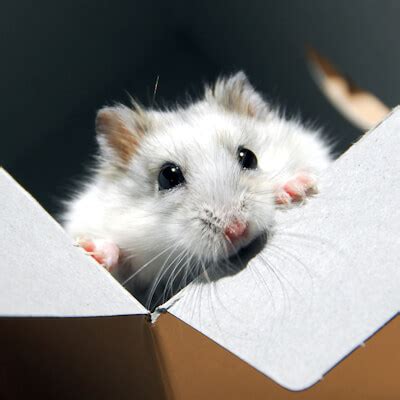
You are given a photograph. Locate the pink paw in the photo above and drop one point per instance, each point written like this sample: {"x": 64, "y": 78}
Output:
{"x": 296, "y": 189}
{"x": 106, "y": 253}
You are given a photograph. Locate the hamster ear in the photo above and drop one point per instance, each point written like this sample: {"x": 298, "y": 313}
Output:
{"x": 236, "y": 94}
{"x": 119, "y": 131}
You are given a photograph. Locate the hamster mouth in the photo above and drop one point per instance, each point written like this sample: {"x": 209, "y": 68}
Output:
{"x": 214, "y": 271}
{"x": 238, "y": 260}
{"x": 250, "y": 250}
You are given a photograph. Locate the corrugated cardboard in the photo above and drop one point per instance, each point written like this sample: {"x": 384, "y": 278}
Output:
{"x": 325, "y": 283}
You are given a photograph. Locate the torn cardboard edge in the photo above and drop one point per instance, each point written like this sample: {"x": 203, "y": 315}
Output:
{"x": 95, "y": 293}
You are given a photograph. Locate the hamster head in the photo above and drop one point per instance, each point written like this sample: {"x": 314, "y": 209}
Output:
{"x": 184, "y": 190}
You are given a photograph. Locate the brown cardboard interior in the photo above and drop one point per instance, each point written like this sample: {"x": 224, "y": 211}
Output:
{"x": 197, "y": 368}
{"x": 120, "y": 357}
{"x": 78, "y": 358}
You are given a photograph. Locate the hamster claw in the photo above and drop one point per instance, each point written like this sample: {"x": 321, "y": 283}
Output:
{"x": 106, "y": 253}
{"x": 296, "y": 190}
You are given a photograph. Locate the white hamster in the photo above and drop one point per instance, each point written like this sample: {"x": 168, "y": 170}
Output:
{"x": 180, "y": 191}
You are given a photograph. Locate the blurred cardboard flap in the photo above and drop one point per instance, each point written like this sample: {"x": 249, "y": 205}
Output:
{"x": 361, "y": 108}
{"x": 294, "y": 336}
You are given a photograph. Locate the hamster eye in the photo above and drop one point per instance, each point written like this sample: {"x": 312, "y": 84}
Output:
{"x": 247, "y": 159}
{"x": 170, "y": 175}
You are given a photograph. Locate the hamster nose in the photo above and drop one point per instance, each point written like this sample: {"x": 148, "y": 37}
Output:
{"x": 235, "y": 230}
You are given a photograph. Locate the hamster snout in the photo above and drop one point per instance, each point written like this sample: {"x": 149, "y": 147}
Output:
{"x": 236, "y": 230}
{"x": 232, "y": 229}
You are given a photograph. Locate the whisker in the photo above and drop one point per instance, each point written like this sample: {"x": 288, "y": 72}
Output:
{"x": 145, "y": 265}
{"x": 162, "y": 272}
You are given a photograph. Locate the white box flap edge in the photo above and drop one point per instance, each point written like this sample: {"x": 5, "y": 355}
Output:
{"x": 42, "y": 273}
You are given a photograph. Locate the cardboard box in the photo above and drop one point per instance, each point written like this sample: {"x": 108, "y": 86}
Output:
{"x": 311, "y": 317}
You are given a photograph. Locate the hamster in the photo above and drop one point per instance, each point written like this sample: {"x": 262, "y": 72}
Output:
{"x": 178, "y": 192}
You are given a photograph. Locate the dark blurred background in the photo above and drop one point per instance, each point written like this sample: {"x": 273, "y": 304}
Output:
{"x": 61, "y": 61}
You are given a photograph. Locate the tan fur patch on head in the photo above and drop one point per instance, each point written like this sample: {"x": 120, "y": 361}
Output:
{"x": 236, "y": 94}
{"x": 120, "y": 129}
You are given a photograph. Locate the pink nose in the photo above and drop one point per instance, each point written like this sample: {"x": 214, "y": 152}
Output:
{"x": 235, "y": 230}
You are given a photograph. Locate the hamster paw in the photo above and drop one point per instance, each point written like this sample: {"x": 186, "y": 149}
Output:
{"x": 296, "y": 190}
{"x": 106, "y": 253}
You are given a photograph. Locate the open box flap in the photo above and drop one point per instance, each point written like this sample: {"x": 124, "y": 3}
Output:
{"x": 326, "y": 281}
{"x": 42, "y": 273}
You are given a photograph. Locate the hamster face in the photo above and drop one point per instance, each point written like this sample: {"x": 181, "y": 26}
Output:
{"x": 182, "y": 191}
{"x": 203, "y": 199}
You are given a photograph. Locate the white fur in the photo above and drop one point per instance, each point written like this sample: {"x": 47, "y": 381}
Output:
{"x": 127, "y": 207}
